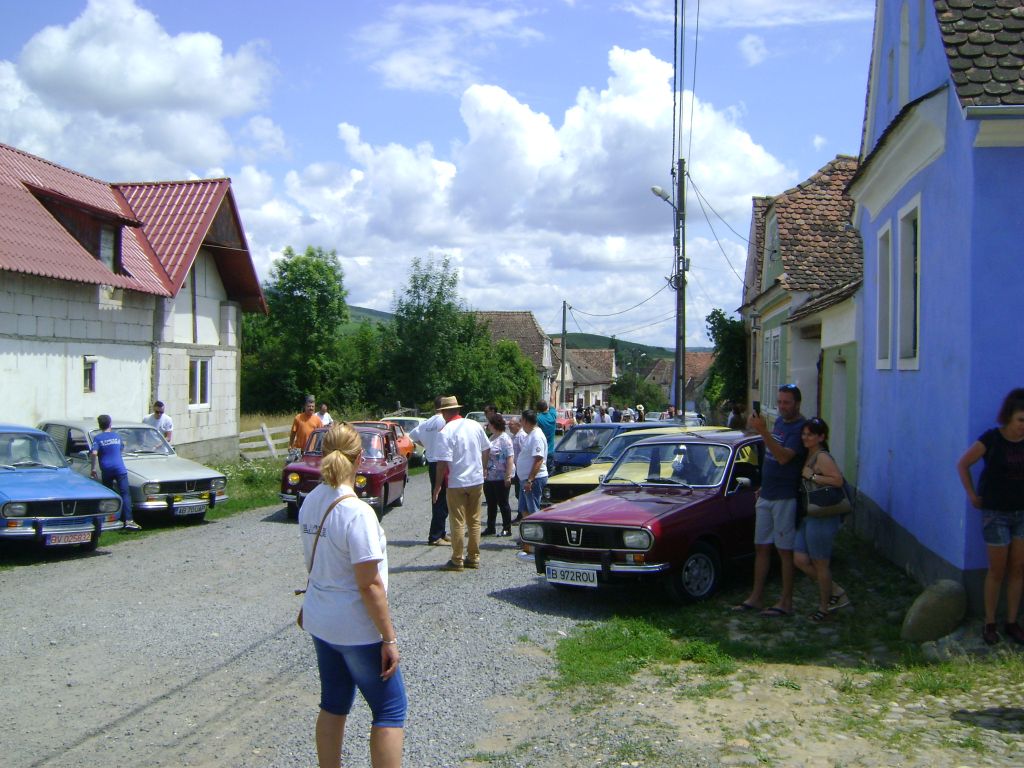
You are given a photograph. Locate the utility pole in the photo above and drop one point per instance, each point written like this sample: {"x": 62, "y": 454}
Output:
{"x": 679, "y": 284}
{"x": 563, "y": 356}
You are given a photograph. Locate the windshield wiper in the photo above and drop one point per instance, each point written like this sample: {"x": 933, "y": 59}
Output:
{"x": 623, "y": 479}
{"x": 30, "y": 463}
{"x": 669, "y": 481}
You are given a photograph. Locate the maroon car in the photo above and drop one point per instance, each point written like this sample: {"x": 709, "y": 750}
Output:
{"x": 672, "y": 508}
{"x": 380, "y": 477}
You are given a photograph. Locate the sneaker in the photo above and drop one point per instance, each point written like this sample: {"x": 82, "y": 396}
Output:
{"x": 505, "y": 532}
{"x": 474, "y": 564}
{"x": 131, "y": 525}
{"x": 989, "y": 634}
{"x": 1014, "y": 632}
{"x": 442, "y": 542}
{"x": 451, "y": 565}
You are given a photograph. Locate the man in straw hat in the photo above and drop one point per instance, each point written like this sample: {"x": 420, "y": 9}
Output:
{"x": 462, "y": 457}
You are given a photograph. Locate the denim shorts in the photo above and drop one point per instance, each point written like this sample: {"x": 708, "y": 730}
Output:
{"x": 343, "y": 668}
{"x": 816, "y": 535}
{"x": 775, "y": 522}
{"x": 998, "y": 527}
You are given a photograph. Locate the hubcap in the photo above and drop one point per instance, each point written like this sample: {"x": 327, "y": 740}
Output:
{"x": 698, "y": 575}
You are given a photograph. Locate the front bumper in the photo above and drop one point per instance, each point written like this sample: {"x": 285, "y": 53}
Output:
{"x": 608, "y": 570}
{"x": 24, "y": 529}
{"x": 179, "y": 505}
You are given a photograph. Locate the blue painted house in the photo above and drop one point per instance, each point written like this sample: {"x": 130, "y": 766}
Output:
{"x": 939, "y": 203}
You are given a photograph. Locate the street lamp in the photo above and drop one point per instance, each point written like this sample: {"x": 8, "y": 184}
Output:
{"x": 678, "y": 279}
{"x": 636, "y": 372}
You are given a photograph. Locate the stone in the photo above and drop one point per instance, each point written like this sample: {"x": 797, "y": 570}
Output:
{"x": 936, "y": 612}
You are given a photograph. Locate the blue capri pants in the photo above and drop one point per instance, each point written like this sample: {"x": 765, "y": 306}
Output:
{"x": 815, "y": 536}
{"x": 343, "y": 668}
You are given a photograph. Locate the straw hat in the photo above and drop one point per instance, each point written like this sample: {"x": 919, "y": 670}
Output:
{"x": 449, "y": 403}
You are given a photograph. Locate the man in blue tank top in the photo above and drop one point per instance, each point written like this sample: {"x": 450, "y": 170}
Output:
{"x": 776, "y": 504}
{"x": 107, "y": 446}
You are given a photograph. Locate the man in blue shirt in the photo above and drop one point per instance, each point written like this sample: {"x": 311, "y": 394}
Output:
{"x": 107, "y": 446}
{"x": 546, "y": 421}
{"x": 776, "y": 504}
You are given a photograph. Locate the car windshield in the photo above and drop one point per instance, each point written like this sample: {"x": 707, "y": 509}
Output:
{"x": 23, "y": 449}
{"x": 139, "y": 440}
{"x": 677, "y": 463}
{"x": 373, "y": 446}
{"x": 585, "y": 440}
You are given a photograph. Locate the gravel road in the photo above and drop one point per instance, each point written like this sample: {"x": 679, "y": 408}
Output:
{"x": 181, "y": 649}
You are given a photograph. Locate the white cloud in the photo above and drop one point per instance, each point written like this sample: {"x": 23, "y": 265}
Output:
{"x": 265, "y": 137}
{"x": 142, "y": 103}
{"x": 753, "y": 49}
{"x": 757, "y": 13}
{"x": 435, "y": 46}
{"x": 819, "y": 142}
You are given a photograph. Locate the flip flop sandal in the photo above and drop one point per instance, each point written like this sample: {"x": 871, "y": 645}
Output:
{"x": 775, "y": 613}
{"x": 819, "y": 616}
{"x": 838, "y": 601}
{"x": 744, "y": 608}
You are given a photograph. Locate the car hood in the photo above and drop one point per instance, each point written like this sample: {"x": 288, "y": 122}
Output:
{"x": 583, "y": 476}
{"x": 623, "y": 506}
{"x": 49, "y": 484}
{"x": 166, "y": 468}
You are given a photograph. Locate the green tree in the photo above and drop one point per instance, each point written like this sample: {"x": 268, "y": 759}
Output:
{"x": 296, "y": 348}
{"x": 631, "y": 388}
{"x": 727, "y": 378}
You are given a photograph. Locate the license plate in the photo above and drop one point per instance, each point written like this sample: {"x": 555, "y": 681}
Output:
{"x": 185, "y": 511}
{"x": 57, "y": 539}
{"x": 582, "y": 577}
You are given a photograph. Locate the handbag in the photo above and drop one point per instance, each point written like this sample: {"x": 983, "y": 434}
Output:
{"x": 330, "y": 507}
{"x": 824, "y": 500}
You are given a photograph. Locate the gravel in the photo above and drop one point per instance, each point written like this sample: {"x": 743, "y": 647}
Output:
{"x": 181, "y": 649}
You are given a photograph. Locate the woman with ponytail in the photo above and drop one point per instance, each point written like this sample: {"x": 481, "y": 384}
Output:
{"x": 346, "y": 607}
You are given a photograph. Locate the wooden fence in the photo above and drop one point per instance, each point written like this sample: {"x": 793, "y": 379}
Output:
{"x": 263, "y": 442}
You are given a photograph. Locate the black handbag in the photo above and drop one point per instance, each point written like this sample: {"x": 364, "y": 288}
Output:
{"x": 824, "y": 500}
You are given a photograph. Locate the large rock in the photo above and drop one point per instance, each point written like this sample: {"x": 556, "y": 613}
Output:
{"x": 936, "y": 612}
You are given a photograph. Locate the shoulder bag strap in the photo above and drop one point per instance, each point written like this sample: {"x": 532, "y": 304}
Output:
{"x": 316, "y": 541}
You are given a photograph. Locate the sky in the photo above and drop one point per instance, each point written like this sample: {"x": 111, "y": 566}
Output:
{"x": 519, "y": 138}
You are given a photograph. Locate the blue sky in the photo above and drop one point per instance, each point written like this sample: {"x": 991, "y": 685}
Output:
{"x": 518, "y": 137}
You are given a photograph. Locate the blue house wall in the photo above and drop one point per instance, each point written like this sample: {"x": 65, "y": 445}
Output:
{"x": 914, "y": 424}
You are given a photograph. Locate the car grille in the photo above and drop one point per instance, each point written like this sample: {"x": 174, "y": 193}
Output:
{"x": 64, "y": 508}
{"x": 185, "y": 486}
{"x": 587, "y": 536}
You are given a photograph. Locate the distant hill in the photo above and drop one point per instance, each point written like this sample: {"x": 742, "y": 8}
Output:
{"x": 359, "y": 314}
{"x": 626, "y": 348}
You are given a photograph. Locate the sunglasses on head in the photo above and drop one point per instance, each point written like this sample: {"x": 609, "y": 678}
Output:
{"x": 787, "y": 387}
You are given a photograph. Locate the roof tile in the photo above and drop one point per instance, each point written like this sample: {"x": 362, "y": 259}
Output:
{"x": 985, "y": 40}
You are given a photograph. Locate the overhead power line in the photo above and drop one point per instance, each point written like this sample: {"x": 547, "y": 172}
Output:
{"x": 624, "y": 311}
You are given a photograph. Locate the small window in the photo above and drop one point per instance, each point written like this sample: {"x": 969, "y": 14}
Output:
{"x": 883, "y": 338}
{"x": 772, "y": 344}
{"x": 909, "y": 291}
{"x": 108, "y": 247}
{"x": 88, "y": 373}
{"x": 199, "y": 381}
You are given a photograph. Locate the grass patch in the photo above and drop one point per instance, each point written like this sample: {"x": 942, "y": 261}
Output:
{"x": 611, "y": 652}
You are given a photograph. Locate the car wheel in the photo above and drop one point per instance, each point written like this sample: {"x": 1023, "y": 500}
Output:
{"x": 699, "y": 576}
{"x": 293, "y": 510}
{"x": 401, "y": 497}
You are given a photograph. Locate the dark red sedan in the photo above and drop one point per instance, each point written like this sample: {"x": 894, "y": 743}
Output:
{"x": 673, "y": 508}
{"x": 380, "y": 477}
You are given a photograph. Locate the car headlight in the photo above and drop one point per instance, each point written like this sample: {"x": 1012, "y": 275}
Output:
{"x": 293, "y": 478}
{"x": 109, "y": 505}
{"x": 15, "y": 509}
{"x": 150, "y": 489}
{"x": 360, "y": 482}
{"x": 531, "y": 531}
{"x": 636, "y": 539}
{"x": 547, "y": 493}
{"x": 218, "y": 484}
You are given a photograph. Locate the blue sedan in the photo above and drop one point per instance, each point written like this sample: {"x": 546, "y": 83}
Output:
{"x": 42, "y": 500}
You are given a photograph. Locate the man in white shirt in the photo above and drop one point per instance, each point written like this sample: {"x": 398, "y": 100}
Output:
{"x": 531, "y": 464}
{"x": 518, "y": 441}
{"x": 325, "y": 417}
{"x": 462, "y": 457}
{"x": 426, "y": 434}
{"x": 160, "y": 420}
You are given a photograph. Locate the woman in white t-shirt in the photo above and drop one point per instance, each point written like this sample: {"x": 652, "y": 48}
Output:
{"x": 346, "y": 607}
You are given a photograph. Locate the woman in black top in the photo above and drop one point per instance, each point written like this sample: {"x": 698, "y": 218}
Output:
{"x": 1000, "y": 497}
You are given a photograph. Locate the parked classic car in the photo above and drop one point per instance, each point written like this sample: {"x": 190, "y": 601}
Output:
{"x": 380, "y": 477}
{"x": 673, "y": 508}
{"x": 42, "y": 500}
{"x": 162, "y": 482}
{"x": 565, "y": 419}
{"x": 574, "y": 482}
{"x": 582, "y": 443}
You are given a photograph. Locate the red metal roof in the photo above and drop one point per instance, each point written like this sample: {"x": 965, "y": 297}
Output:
{"x": 176, "y": 219}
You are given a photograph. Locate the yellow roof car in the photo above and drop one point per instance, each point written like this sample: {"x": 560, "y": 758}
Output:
{"x": 566, "y": 485}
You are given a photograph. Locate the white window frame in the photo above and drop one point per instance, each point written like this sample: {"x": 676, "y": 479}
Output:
{"x": 883, "y": 297}
{"x": 772, "y": 365}
{"x": 908, "y": 286}
{"x": 200, "y": 385}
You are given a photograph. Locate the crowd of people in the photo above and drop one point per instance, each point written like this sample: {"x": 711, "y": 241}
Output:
{"x": 800, "y": 506}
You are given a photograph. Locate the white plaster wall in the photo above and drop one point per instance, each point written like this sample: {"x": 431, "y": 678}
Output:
{"x": 803, "y": 368}
{"x": 204, "y": 280}
{"x": 839, "y": 324}
{"x": 48, "y": 326}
